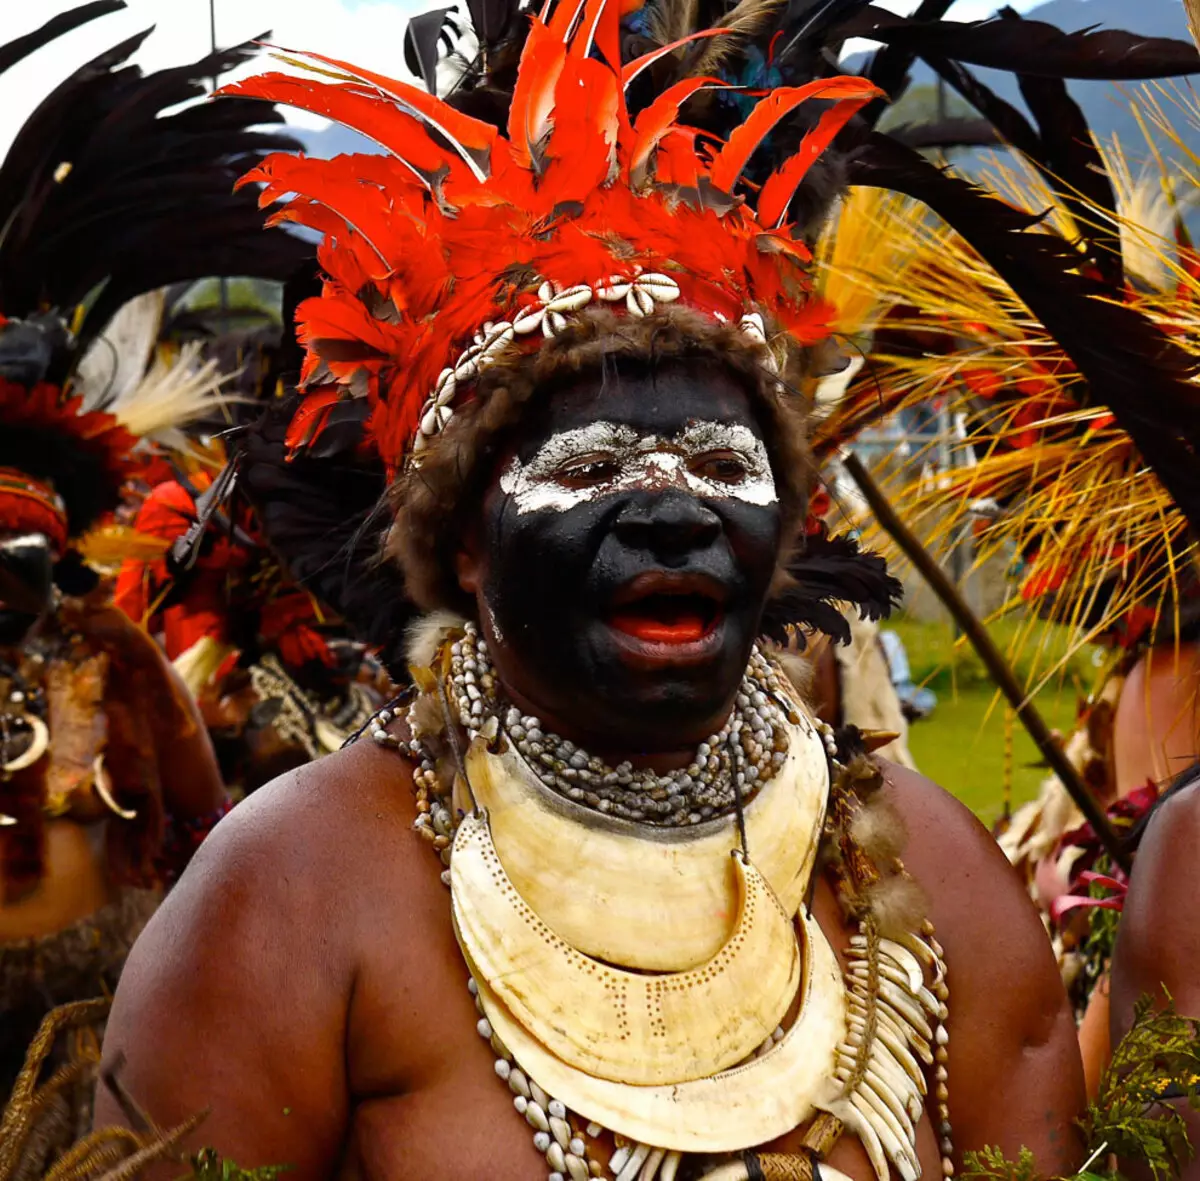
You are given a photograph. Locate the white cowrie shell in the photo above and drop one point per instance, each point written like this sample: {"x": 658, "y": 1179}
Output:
{"x": 529, "y": 320}
{"x": 420, "y": 442}
{"x": 446, "y": 377}
{"x": 661, "y": 288}
{"x": 554, "y": 323}
{"x": 571, "y": 300}
{"x": 498, "y": 337}
{"x": 614, "y": 289}
{"x": 547, "y": 291}
{"x": 467, "y": 367}
{"x": 429, "y": 422}
{"x": 639, "y": 302}
{"x": 752, "y": 325}
{"x": 443, "y": 414}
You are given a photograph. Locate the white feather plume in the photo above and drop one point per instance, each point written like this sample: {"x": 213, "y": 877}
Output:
{"x": 171, "y": 395}
{"x": 117, "y": 358}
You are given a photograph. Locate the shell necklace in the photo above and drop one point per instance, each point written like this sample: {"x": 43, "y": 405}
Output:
{"x": 740, "y": 757}
{"x": 851, "y": 1058}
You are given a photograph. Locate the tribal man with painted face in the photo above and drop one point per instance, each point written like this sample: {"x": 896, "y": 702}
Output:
{"x": 601, "y": 899}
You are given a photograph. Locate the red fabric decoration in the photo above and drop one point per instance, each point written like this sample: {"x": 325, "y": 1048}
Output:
{"x": 29, "y": 506}
{"x": 46, "y": 408}
{"x": 458, "y": 226}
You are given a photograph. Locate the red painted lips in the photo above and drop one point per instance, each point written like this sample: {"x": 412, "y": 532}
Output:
{"x": 662, "y": 607}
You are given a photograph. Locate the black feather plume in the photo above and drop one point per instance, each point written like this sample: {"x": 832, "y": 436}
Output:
{"x": 21, "y": 47}
{"x": 1031, "y": 47}
{"x": 832, "y": 571}
{"x": 1129, "y": 364}
{"x": 103, "y": 196}
{"x": 325, "y": 521}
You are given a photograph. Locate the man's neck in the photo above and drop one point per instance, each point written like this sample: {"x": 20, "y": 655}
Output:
{"x": 671, "y": 756}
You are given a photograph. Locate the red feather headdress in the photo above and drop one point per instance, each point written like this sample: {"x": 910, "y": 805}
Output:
{"x": 459, "y": 243}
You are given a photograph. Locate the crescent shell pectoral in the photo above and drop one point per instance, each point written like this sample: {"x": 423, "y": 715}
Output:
{"x": 656, "y": 901}
{"x": 615, "y": 1024}
{"x": 37, "y": 747}
{"x": 751, "y": 1104}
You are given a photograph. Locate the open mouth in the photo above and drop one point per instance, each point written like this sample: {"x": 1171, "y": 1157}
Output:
{"x": 668, "y": 609}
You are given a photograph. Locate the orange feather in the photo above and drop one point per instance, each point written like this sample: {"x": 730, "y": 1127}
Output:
{"x": 310, "y": 417}
{"x": 659, "y": 117}
{"x": 732, "y": 159}
{"x": 376, "y": 118}
{"x": 781, "y": 186}
{"x": 471, "y": 138}
{"x": 635, "y": 67}
{"x": 566, "y": 16}
{"x": 601, "y": 26}
{"x": 542, "y": 61}
{"x": 582, "y": 147}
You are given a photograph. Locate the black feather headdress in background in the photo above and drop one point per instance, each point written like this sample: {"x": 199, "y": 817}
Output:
{"x": 114, "y": 187}
{"x": 108, "y": 191}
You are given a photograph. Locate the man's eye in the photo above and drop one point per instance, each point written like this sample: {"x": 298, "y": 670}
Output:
{"x": 587, "y": 473}
{"x": 725, "y": 467}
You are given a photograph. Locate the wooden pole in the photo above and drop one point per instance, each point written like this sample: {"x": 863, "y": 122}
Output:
{"x": 998, "y": 668}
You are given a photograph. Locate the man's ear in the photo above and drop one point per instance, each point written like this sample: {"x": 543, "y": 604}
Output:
{"x": 468, "y": 561}
{"x": 467, "y": 569}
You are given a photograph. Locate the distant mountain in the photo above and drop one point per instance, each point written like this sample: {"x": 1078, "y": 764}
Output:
{"x": 1105, "y": 105}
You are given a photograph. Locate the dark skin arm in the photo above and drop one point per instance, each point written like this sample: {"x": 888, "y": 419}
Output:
{"x": 1015, "y": 1075}
{"x": 1158, "y": 945}
{"x": 236, "y": 997}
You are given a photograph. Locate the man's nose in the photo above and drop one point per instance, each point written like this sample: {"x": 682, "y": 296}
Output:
{"x": 668, "y": 524}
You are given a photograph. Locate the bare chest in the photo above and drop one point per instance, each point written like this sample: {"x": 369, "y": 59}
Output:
{"x": 428, "y": 1100}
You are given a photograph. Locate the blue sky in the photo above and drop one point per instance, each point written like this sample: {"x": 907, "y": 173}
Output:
{"x": 369, "y": 32}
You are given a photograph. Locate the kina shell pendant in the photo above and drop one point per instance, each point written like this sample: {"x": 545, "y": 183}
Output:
{"x": 729, "y": 1111}
{"x": 622, "y": 1026}
{"x": 660, "y": 900}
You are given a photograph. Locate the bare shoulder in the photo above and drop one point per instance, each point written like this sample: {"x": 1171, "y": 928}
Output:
{"x": 309, "y": 837}
{"x": 946, "y": 842}
{"x": 977, "y": 901}
{"x": 1158, "y": 945}
{"x": 1016, "y": 1076}
{"x": 237, "y": 995}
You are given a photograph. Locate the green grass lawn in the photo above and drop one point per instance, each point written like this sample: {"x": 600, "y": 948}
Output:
{"x": 962, "y": 745}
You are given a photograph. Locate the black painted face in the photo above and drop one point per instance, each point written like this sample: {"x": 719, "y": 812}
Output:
{"x": 26, "y": 584}
{"x": 624, "y": 553}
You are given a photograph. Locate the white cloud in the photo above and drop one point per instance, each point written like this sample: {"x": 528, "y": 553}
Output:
{"x": 367, "y": 32}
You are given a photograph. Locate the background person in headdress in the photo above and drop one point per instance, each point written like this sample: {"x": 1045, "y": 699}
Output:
{"x": 107, "y": 778}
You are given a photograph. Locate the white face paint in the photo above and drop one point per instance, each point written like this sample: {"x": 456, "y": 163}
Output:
{"x": 714, "y": 460}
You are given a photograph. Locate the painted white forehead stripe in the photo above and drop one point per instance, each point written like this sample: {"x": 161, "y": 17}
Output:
{"x": 639, "y": 462}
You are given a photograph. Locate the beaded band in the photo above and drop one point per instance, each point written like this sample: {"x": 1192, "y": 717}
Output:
{"x": 549, "y": 315}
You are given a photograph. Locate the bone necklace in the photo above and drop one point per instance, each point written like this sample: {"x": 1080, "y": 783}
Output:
{"x": 667, "y": 1062}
